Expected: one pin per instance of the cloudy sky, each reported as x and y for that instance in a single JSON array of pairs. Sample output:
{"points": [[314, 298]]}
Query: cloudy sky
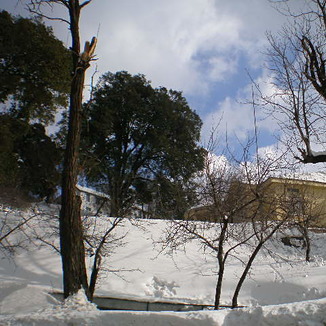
{"points": [[205, 48]]}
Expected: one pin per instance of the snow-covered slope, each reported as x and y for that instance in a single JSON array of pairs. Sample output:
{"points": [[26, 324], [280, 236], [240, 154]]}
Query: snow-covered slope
{"points": [[278, 292]]}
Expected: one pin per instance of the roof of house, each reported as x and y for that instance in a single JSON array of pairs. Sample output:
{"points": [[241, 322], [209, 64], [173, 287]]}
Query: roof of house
{"points": [[92, 192], [317, 178]]}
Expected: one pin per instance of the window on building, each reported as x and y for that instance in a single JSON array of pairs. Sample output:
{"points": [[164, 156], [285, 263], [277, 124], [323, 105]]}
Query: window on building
{"points": [[295, 202]]}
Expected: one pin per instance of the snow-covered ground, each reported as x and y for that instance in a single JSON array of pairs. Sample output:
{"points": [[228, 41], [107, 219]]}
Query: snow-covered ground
{"points": [[283, 290]]}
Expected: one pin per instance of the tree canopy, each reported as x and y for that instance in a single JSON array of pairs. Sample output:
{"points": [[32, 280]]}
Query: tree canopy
{"points": [[34, 77], [28, 158], [139, 140], [35, 68]]}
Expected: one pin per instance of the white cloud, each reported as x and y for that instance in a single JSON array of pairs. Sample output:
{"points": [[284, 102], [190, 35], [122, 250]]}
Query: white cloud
{"points": [[183, 44], [221, 67], [189, 45], [162, 40], [233, 118], [236, 116]]}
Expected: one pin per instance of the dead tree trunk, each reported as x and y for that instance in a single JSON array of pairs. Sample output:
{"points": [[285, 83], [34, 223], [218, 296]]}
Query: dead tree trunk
{"points": [[71, 230], [71, 233]]}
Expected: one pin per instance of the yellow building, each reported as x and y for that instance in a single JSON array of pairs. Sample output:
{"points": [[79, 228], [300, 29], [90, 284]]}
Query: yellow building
{"points": [[300, 199], [275, 199]]}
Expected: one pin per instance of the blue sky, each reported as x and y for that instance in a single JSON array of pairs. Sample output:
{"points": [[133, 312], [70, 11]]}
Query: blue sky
{"points": [[205, 48]]}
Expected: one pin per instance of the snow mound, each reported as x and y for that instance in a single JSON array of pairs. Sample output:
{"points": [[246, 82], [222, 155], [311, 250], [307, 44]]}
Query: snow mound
{"points": [[78, 302], [75, 310], [160, 288], [309, 313]]}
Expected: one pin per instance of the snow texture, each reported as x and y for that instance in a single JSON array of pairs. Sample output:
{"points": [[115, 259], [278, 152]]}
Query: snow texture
{"points": [[283, 290]]}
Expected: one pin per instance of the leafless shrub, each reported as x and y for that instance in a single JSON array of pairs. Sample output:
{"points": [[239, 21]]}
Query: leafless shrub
{"points": [[240, 208]]}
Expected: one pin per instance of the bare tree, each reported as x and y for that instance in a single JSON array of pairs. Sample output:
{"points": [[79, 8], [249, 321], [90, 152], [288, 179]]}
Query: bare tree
{"points": [[297, 62], [13, 225], [33, 226], [307, 210], [239, 209], [71, 232], [101, 238]]}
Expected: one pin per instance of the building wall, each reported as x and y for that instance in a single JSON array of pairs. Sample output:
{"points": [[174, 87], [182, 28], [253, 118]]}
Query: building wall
{"points": [[300, 199], [277, 199], [92, 201]]}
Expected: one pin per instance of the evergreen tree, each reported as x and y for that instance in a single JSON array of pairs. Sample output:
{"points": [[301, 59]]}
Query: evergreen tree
{"points": [[29, 159], [8, 157], [39, 159], [35, 69], [34, 82], [138, 141]]}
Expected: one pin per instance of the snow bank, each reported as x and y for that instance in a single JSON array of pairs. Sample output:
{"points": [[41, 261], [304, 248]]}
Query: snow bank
{"points": [[274, 287], [309, 313]]}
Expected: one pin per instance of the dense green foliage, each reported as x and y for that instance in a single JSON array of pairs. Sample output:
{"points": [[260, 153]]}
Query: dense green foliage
{"points": [[35, 79], [28, 158], [140, 144], [35, 69]]}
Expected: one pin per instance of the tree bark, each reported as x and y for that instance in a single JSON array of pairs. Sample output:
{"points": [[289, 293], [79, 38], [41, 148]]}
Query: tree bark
{"points": [[244, 275], [303, 228], [71, 230], [221, 264], [308, 245], [249, 264], [94, 275]]}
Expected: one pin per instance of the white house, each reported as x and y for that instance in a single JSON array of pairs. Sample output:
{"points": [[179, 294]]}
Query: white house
{"points": [[93, 201]]}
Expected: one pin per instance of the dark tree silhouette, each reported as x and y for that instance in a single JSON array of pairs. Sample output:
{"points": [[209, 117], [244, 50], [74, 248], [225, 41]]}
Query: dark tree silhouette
{"points": [[141, 143]]}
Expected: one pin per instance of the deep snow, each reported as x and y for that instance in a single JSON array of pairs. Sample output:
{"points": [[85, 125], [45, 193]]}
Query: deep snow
{"points": [[284, 290]]}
